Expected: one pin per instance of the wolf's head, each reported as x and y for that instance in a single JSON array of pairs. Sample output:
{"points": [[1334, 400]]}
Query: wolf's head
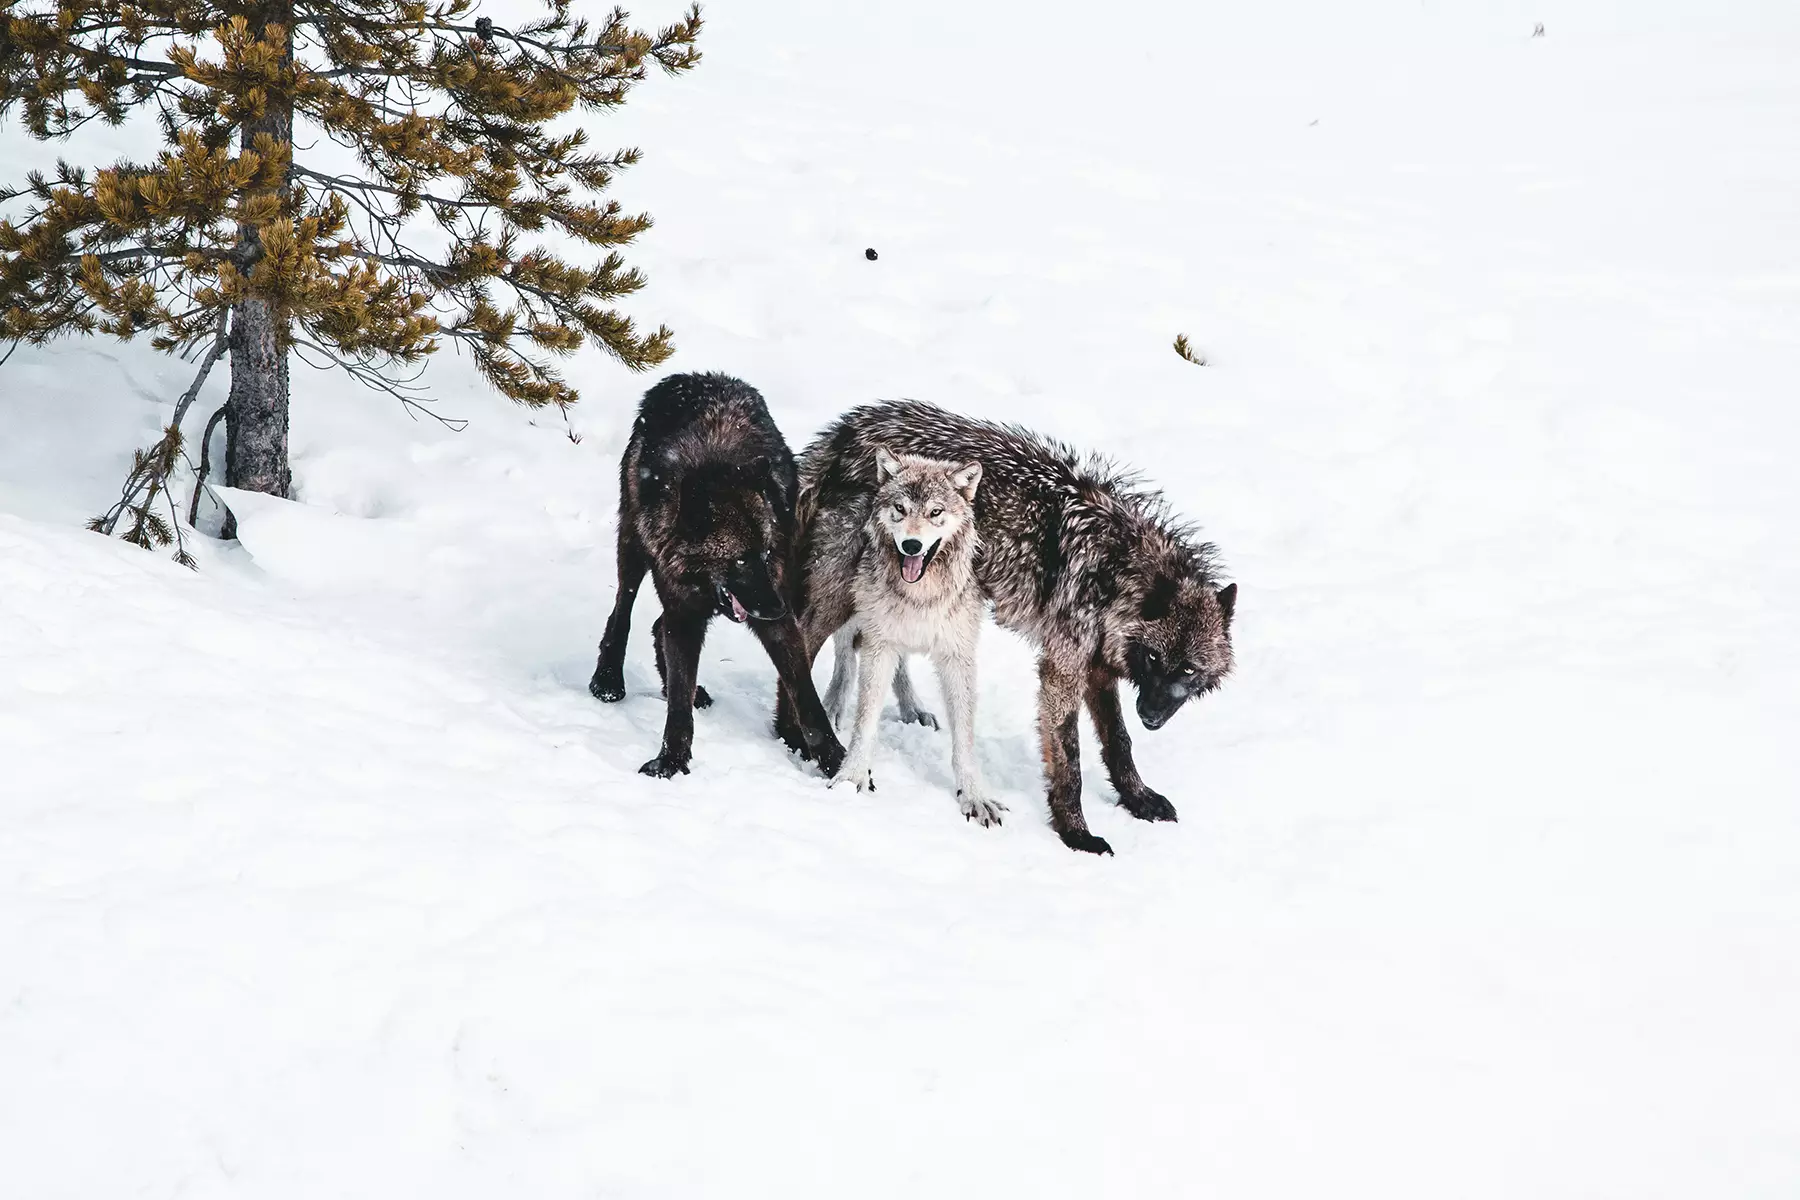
{"points": [[730, 523], [921, 506], [1180, 645]]}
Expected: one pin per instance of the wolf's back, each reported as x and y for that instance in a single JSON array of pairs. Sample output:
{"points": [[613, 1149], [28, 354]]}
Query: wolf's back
{"points": [[691, 421], [824, 469]]}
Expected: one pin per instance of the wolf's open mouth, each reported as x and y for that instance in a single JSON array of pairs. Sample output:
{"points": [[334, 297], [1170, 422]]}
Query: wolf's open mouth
{"points": [[738, 612], [912, 566]]}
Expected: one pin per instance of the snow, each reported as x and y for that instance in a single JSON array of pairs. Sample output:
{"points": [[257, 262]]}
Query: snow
{"points": [[322, 874]]}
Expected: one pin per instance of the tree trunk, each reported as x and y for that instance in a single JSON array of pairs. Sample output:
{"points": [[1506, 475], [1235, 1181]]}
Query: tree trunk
{"points": [[256, 430]]}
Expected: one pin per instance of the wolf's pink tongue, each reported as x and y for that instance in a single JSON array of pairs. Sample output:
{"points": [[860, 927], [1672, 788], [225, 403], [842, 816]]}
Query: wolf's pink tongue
{"points": [[912, 566], [737, 610]]}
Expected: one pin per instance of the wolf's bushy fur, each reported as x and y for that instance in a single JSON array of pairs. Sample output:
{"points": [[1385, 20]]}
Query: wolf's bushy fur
{"points": [[914, 592], [706, 506], [1074, 554]]}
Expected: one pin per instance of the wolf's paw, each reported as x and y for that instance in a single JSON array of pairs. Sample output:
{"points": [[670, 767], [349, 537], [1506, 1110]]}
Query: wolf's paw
{"points": [[607, 687], [828, 752], [702, 698], [855, 773], [1148, 806], [664, 766], [1087, 843], [979, 809], [793, 739], [918, 716]]}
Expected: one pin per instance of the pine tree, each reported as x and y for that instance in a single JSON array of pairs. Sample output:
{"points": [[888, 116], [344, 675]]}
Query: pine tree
{"points": [[437, 182]]}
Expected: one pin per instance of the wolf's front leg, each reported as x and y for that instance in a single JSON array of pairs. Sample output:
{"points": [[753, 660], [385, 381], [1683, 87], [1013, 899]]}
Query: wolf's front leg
{"points": [[701, 699], [1135, 796], [793, 666], [608, 683], [822, 617], [683, 633], [874, 669], [956, 671], [1059, 731]]}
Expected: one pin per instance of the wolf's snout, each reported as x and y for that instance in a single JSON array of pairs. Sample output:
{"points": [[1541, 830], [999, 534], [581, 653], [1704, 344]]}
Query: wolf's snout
{"points": [[749, 593], [914, 558], [1156, 705]]}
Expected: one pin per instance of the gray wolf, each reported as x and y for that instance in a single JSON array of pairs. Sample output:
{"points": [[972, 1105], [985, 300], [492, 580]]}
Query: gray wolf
{"points": [[914, 592], [706, 506], [1074, 554]]}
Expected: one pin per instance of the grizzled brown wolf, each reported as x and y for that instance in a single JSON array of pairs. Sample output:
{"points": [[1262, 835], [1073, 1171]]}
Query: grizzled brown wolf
{"points": [[1073, 554], [706, 505]]}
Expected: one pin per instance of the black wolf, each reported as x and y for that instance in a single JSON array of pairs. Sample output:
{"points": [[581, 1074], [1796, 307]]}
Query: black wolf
{"points": [[706, 505], [1073, 553]]}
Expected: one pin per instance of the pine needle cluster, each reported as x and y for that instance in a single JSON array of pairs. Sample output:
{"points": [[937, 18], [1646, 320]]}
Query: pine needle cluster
{"points": [[440, 181]]}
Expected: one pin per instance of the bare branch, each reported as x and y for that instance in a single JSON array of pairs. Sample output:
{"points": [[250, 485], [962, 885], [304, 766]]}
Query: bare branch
{"points": [[339, 181], [205, 466], [221, 341], [149, 477], [370, 376]]}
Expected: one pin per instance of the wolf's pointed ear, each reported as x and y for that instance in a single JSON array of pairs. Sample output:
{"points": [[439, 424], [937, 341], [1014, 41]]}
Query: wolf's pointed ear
{"points": [[1160, 598], [1227, 600], [966, 479], [886, 465]]}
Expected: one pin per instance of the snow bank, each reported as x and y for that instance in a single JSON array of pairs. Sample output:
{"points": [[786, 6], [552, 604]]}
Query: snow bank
{"points": [[323, 876]]}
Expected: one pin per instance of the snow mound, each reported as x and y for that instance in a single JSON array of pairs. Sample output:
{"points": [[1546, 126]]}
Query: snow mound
{"points": [[322, 875]]}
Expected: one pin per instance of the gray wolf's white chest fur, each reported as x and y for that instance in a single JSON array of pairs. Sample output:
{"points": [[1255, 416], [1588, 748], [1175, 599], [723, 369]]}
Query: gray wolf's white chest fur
{"points": [[937, 615]]}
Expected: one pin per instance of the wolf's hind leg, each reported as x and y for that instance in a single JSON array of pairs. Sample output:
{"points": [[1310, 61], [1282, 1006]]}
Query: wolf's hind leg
{"points": [[843, 670], [908, 699]]}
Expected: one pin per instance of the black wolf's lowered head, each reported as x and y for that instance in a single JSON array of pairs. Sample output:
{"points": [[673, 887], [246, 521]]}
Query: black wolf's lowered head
{"points": [[747, 591], [1183, 647], [727, 525]]}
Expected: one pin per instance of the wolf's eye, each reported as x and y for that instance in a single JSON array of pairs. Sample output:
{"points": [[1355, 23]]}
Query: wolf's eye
{"points": [[1152, 657], [935, 513], [899, 513], [1189, 669]]}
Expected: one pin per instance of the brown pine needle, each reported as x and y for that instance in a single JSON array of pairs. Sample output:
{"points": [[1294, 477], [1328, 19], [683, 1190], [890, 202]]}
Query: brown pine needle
{"points": [[1186, 349]]}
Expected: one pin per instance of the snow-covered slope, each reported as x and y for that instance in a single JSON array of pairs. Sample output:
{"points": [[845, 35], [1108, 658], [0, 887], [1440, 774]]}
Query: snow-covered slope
{"points": [[322, 875]]}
